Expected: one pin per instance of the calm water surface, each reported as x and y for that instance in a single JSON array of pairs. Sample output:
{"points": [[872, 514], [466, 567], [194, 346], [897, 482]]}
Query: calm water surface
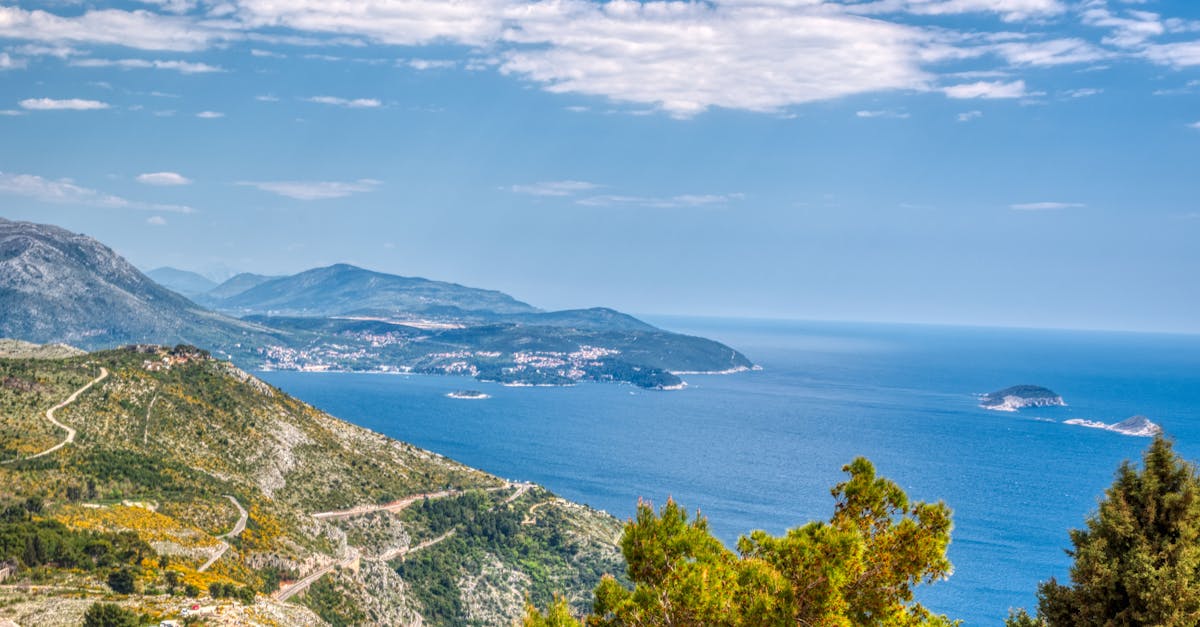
{"points": [[761, 450]]}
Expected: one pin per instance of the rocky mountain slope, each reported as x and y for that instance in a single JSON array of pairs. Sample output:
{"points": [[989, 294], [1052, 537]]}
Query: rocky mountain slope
{"points": [[211, 488], [58, 286]]}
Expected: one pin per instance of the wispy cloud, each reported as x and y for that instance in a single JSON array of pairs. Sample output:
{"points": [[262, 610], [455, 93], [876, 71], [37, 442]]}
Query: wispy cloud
{"points": [[430, 64], [554, 188], [350, 103], [11, 112], [1046, 206], [7, 62], [314, 190], [156, 221], [967, 116], [210, 115], [163, 178], [1083, 92], [183, 67], [266, 98], [65, 191], [67, 104], [987, 89], [144, 30], [682, 200], [883, 113]]}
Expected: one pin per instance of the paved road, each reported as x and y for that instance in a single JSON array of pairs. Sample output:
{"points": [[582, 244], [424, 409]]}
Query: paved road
{"points": [[50, 416], [301, 585], [284, 594], [238, 527]]}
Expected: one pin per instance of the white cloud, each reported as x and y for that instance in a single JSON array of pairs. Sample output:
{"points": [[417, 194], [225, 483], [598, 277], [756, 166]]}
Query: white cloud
{"points": [[350, 103], [882, 113], [163, 178], [967, 116], [430, 64], [1129, 30], [1046, 206], [7, 62], [1010, 10], [554, 188], [183, 67], [1083, 92], [412, 22], [987, 89], [685, 57], [64, 191], [43, 50], [210, 115], [156, 221], [682, 200], [266, 98], [1195, 125], [68, 104], [1050, 52], [173, 6], [1180, 54], [145, 30], [11, 112], [314, 190], [679, 57]]}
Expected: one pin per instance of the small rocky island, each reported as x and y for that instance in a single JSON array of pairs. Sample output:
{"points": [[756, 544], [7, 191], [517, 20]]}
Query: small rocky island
{"points": [[1139, 426], [1021, 396], [468, 395]]}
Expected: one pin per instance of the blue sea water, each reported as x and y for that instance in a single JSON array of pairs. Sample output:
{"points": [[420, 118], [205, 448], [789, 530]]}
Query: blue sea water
{"points": [[760, 450]]}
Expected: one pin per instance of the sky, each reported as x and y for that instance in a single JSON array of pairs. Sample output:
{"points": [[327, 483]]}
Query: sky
{"points": [[982, 162]]}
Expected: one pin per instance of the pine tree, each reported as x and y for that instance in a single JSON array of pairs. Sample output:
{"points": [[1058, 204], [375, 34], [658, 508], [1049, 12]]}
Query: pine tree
{"points": [[856, 570], [1137, 561]]}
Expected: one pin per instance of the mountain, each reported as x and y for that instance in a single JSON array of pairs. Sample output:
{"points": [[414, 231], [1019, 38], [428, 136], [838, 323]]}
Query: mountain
{"points": [[182, 281], [345, 289], [58, 286], [236, 284], [185, 472]]}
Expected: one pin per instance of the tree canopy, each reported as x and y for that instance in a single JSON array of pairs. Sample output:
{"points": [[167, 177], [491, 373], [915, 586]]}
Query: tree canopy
{"points": [[1137, 560], [858, 569]]}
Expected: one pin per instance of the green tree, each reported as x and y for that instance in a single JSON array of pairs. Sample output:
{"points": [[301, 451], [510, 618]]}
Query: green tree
{"points": [[1137, 561], [121, 581], [109, 615], [557, 615], [858, 569]]}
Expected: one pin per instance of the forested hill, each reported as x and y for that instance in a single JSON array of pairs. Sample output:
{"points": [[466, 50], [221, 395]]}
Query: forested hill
{"points": [[141, 474]]}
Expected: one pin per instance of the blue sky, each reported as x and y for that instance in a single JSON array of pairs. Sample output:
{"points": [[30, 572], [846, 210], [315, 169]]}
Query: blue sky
{"points": [[992, 162]]}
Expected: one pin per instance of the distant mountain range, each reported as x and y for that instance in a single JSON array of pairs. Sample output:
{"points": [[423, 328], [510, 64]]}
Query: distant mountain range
{"points": [[183, 281], [57, 286]]}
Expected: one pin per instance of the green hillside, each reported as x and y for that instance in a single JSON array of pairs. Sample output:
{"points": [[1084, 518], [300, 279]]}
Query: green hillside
{"points": [[172, 445]]}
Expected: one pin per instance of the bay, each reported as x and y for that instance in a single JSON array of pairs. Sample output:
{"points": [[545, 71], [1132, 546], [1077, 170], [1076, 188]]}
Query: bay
{"points": [[761, 450]]}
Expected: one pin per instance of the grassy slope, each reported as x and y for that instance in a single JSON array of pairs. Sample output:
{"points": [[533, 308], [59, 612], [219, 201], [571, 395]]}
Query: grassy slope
{"points": [[179, 439]]}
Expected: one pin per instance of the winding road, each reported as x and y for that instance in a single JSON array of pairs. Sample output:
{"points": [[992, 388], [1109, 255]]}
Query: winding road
{"points": [[302, 584], [238, 527], [50, 416]]}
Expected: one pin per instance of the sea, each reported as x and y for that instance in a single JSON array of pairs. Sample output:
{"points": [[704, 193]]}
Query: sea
{"points": [[762, 449]]}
